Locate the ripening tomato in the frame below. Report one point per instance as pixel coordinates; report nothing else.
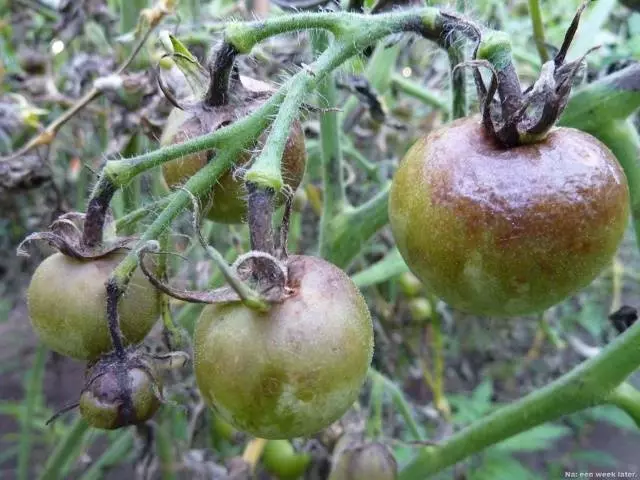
(507, 231)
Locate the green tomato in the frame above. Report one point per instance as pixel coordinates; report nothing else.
(280, 459)
(297, 368)
(67, 305)
(410, 284)
(504, 232)
(420, 309)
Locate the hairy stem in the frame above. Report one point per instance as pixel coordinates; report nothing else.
(455, 52)
(260, 210)
(220, 73)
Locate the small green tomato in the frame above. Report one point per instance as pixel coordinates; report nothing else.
(280, 459)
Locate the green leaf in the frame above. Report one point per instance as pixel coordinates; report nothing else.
(539, 438)
(194, 73)
(483, 392)
(613, 416)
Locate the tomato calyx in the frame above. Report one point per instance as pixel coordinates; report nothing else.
(67, 235)
(523, 117)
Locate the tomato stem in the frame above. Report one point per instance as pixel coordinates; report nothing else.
(220, 72)
(260, 212)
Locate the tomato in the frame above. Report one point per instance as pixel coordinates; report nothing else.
(228, 194)
(108, 405)
(280, 459)
(295, 369)
(410, 284)
(420, 310)
(504, 232)
(369, 461)
(67, 305)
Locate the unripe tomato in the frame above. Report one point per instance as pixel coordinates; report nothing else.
(369, 461)
(504, 232)
(67, 305)
(228, 194)
(295, 369)
(107, 405)
(420, 309)
(410, 284)
(280, 459)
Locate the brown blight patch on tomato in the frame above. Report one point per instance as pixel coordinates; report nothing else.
(507, 231)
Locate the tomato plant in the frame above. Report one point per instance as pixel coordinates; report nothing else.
(502, 214)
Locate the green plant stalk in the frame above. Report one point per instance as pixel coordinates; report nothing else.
(196, 186)
(455, 52)
(437, 342)
(120, 448)
(266, 170)
(363, 31)
(374, 422)
(627, 398)
(333, 195)
(623, 140)
(61, 455)
(132, 194)
(164, 449)
(130, 219)
(538, 30)
(346, 232)
(400, 403)
(418, 92)
(590, 383)
(33, 387)
(389, 267)
(243, 36)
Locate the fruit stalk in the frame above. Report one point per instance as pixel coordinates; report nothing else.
(589, 384)
(220, 72)
(627, 398)
(260, 213)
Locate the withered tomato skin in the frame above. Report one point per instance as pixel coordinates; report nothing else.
(506, 232)
(67, 305)
(228, 195)
(291, 371)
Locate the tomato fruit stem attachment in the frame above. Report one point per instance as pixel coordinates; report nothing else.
(97, 212)
(113, 295)
(260, 212)
(220, 74)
